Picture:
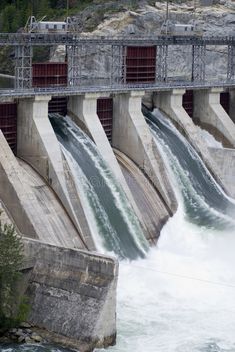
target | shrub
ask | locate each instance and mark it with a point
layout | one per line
(11, 258)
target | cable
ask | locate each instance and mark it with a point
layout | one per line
(182, 276)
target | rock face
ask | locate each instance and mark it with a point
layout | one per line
(73, 296)
(216, 20)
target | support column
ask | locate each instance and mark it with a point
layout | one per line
(212, 116)
(38, 145)
(132, 137)
(198, 63)
(23, 67)
(231, 62)
(171, 103)
(83, 111)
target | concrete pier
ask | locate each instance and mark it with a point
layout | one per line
(132, 137)
(212, 117)
(38, 145)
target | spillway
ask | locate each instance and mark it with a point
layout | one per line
(180, 297)
(106, 205)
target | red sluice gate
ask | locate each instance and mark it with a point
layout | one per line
(188, 102)
(58, 105)
(49, 74)
(140, 64)
(105, 114)
(8, 123)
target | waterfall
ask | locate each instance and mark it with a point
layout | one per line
(111, 218)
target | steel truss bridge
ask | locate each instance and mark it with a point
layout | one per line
(98, 64)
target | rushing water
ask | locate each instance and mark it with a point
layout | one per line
(181, 297)
(106, 205)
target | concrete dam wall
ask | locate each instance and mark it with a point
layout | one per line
(73, 295)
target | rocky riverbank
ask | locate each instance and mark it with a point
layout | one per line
(25, 333)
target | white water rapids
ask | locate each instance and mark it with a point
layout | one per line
(181, 298)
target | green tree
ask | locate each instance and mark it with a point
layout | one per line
(11, 258)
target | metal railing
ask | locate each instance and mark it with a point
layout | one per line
(15, 39)
(121, 88)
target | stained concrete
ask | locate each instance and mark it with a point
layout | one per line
(132, 137)
(38, 145)
(212, 117)
(73, 295)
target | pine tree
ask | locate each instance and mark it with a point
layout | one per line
(11, 258)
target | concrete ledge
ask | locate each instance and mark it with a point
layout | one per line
(72, 295)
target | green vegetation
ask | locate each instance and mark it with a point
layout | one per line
(14, 13)
(12, 311)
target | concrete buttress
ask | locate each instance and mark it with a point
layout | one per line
(38, 145)
(132, 137)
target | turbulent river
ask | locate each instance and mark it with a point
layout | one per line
(181, 296)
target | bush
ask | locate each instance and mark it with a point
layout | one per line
(11, 258)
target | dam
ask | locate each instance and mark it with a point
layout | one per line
(113, 164)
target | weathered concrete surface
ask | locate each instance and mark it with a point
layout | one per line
(132, 137)
(14, 194)
(58, 227)
(212, 117)
(225, 158)
(83, 109)
(73, 295)
(31, 204)
(150, 204)
(171, 104)
(38, 145)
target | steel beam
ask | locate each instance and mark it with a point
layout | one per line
(198, 63)
(231, 62)
(161, 63)
(23, 67)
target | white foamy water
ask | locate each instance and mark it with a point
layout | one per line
(209, 139)
(182, 296)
